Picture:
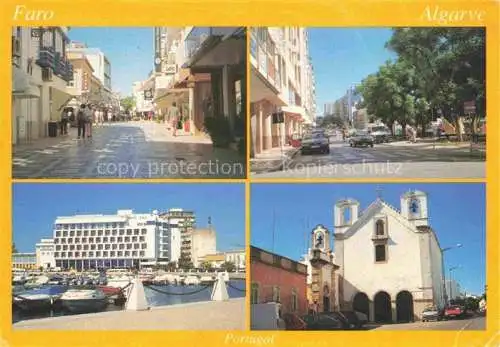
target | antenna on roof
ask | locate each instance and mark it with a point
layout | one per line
(209, 222)
(379, 191)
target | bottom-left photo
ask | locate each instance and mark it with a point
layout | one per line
(121, 256)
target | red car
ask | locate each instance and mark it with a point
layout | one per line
(454, 312)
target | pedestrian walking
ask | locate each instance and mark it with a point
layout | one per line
(89, 120)
(80, 119)
(173, 116)
(64, 122)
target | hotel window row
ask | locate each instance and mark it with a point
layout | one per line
(114, 232)
(98, 239)
(98, 254)
(101, 246)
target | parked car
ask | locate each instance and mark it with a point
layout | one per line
(322, 322)
(361, 138)
(315, 143)
(432, 313)
(454, 311)
(380, 134)
(356, 319)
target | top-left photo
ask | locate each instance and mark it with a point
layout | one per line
(116, 102)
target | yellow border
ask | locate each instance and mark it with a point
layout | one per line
(257, 13)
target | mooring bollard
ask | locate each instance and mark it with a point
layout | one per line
(137, 298)
(219, 293)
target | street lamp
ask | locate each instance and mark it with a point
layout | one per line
(458, 245)
(452, 269)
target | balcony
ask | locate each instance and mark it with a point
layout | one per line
(46, 57)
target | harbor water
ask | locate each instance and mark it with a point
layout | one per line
(158, 295)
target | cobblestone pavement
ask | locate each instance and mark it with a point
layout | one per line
(126, 150)
(384, 161)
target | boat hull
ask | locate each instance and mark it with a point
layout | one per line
(36, 305)
(85, 305)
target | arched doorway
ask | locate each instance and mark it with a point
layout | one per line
(361, 303)
(404, 307)
(326, 298)
(383, 312)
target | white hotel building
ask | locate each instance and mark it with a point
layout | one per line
(122, 240)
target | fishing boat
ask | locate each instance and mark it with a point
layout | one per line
(84, 300)
(38, 299)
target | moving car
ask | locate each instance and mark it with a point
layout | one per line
(362, 138)
(454, 311)
(431, 313)
(315, 143)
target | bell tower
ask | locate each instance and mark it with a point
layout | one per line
(414, 207)
(321, 260)
(346, 213)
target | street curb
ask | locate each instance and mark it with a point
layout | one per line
(280, 167)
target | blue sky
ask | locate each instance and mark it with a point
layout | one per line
(36, 206)
(343, 56)
(130, 51)
(456, 211)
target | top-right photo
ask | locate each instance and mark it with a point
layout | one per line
(368, 102)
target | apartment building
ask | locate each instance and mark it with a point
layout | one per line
(143, 101)
(40, 76)
(101, 71)
(282, 85)
(181, 224)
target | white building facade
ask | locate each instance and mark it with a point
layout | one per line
(281, 82)
(390, 261)
(44, 251)
(123, 240)
(40, 75)
(204, 242)
(237, 257)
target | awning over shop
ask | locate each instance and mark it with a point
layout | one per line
(222, 46)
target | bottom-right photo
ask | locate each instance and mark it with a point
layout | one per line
(357, 256)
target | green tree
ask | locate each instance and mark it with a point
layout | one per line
(228, 266)
(333, 119)
(206, 265)
(14, 249)
(450, 66)
(128, 103)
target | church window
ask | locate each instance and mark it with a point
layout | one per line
(295, 300)
(380, 228)
(380, 253)
(255, 293)
(346, 215)
(276, 294)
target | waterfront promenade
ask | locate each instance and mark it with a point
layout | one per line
(210, 315)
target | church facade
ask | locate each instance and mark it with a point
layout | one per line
(390, 264)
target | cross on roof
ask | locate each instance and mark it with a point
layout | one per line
(379, 191)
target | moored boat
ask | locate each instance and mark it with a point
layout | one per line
(41, 299)
(84, 300)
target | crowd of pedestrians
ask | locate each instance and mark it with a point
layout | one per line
(84, 118)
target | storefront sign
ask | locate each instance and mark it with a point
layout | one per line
(171, 69)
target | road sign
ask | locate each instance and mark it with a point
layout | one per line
(469, 107)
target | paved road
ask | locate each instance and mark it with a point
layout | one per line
(473, 323)
(384, 160)
(126, 150)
